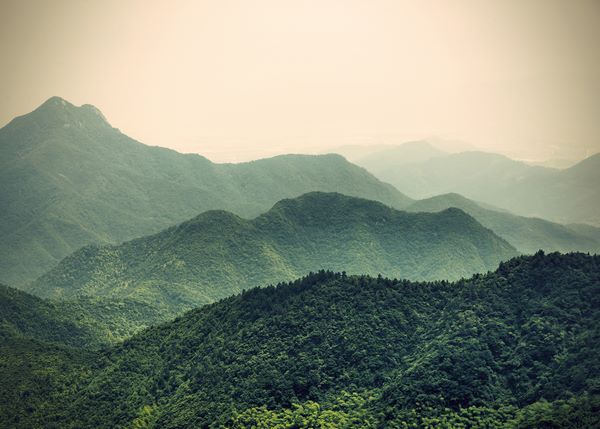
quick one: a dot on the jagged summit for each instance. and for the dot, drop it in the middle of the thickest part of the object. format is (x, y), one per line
(57, 111)
(56, 101)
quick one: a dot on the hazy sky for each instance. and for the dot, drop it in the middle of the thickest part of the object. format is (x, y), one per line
(243, 79)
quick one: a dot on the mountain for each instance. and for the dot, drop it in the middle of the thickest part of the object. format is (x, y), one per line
(477, 175)
(401, 150)
(527, 235)
(352, 152)
(69, 179)
(23, 315)
(516, 348)
(37, 376)
(89, 322)
(587, 230)
(217, 253)
(571, 195)
(406, 153)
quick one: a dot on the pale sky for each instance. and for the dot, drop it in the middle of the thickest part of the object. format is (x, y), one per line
(236, 80)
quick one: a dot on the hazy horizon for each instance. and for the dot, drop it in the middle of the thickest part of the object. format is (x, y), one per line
(234, 81)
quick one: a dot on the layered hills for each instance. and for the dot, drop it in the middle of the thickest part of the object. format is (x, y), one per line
(23, 315)
(70, 179)
(527, 234)
(569, 195)
(89, 322)
(516, 348)
(217, 253)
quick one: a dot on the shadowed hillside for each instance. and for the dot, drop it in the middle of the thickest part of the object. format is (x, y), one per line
(516, 348)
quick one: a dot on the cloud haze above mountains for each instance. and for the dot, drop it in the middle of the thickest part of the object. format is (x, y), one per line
(238, 80)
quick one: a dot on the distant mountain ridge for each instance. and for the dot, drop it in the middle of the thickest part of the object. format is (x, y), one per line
(567, 196)
(217, 253)
(527, 234)
(393, 157)
(69, 179)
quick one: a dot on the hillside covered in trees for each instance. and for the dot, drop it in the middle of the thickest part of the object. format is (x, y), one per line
(516, 348)
(218, 254)
(85, 322)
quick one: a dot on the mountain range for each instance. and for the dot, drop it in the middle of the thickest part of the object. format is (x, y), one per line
(516, 348)
(218, 254)
(86, 322)
(566, 196)
(70, 179)
(526, 234)
(394, 156)
(161, 290)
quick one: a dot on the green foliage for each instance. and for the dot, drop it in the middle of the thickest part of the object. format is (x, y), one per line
(86, 322)
(574, 413)
(111, 320)
(145, 418)
(37, 380)
(218, 254)
(69, 179)
(347, 411)
(24, 315)
(483, 352)
(578, 412)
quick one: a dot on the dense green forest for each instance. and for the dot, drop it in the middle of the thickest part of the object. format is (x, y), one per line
(218, 254)
(70, 179)
(85, 322)
(515, 348)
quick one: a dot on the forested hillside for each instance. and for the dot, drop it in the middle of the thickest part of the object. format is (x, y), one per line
(70, 179)
(87, 322)
(300, 214)
(23, 315)
(516, 348)
(218, 253)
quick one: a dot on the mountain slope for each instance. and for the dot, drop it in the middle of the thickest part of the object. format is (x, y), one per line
(69, 179)
(89, 322)
(477, 349)
(566, 196)
(393, 157)
(38, 377)
(23, 315)
(218, 253)
(46, 346)
(528, 235)
(477, 175)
